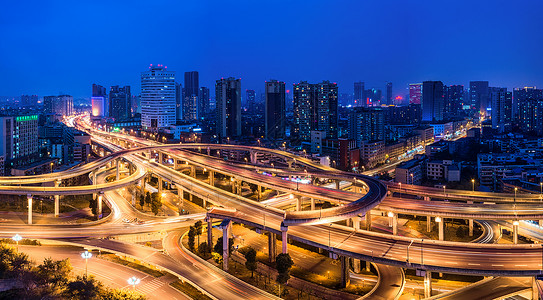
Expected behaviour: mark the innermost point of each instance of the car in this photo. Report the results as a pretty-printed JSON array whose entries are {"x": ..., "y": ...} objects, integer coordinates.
[{"x": 126, "y": 220}]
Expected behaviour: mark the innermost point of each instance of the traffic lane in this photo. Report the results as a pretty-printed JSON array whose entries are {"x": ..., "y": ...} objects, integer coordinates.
[{"x": 111, "y": 274}]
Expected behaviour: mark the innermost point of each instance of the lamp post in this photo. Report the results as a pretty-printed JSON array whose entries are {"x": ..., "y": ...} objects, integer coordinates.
[
  {"x": 444, "y": 190},
  {"x": 133, "y": 281},
  {"x": 17, "y": 238},
  {"x": 407, "y": 260},
  {"x": 86, "y": 255},
  {"x": 515, "y": 199},
  {"x": 411, "y": 178},
  {"x": 473, "y": 185}
]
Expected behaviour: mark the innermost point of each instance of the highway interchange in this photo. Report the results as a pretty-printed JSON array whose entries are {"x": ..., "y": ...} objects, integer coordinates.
[{"x": 312, "y": 227}]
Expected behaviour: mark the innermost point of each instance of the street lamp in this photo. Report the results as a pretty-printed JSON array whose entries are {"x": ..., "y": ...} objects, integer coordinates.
[
  {"x": 407, "y": 260},
  {"x": 411, "y": 178},
  {"x": 17, "y": 238},
  {"x": 444, "y": 190},
  {"x": 133, "y": 281},
  {"x": 400, "y": 190},
  {"x": 86, "y": 255},
  {"x": 473, "y": 185},
  {"x": 515, "y": 199}
]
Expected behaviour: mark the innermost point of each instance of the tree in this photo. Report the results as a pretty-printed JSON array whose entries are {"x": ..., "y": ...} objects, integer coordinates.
[
  {"x": 198, "y": 227},
  {"x": 54, "y": 273},
  {"x": 148, "y": 198},
  {"x": 156, "y": 202},
  {"x": 192, "y": 234},
  {"x": 218, "y": 246},
  {"x": 118, "y": 294},
  {"x": 84, "y": 287},
  {"x": 283, "y": 263},
  {"x": 142, "y": 201},
  {"x": 251, "y": 264},
  {"x": 93, "y": 205}
]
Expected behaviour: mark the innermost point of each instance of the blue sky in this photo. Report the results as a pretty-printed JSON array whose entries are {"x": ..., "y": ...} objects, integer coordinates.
[{"x": 49, "y": 47}]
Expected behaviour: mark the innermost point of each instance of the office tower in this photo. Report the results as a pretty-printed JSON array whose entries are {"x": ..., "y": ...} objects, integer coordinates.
[
  {"x": 501, "y": 101},
  {"x": 315, "y": 108},
  {"x": 359, "y": 94},
  {"x": 373, "y": 97},
  {"x": 178, "y": 101},
  {"x": 203, "y": 102},
  {"x": 99, "y": 98},
  {"x": 415, "y": 93},
  {"x": 251, "y": 100},
  {"x": 157, "y": 98},
  {"x": 454, "y": 100},
  {"x": 120, "y": 103},
  {"x": 18, "y": 139},
  {"x": 478, "y": 93},
  {"x": 389, "y": 94},
  {"x": 275, "y": 109},
  {"x": 403, "y": 115},
  {"x": 366, "y": 124},
  {"x": 62, "y": 105},
  {"x": 432, "y": 101},
  {"x": 190, "y": 101},
  {"x": 529, "y": 109},
  {"x": 228, "y": 111},
  {"x": 29, "y": 100}
]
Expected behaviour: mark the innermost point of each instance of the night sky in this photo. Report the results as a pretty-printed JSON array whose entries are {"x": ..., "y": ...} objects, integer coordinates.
[{"x": 52, "y": 47}]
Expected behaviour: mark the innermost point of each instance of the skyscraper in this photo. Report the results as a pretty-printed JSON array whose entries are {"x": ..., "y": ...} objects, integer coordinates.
[
  {"x": 529, "y": 109},
  {"x": 275, "y": 109},
  {"x": 203, "y": 102},
  {"x": 178, "y": 101},
  {"x": 157, "y": 98},
  {"x": 478, "y": 94},
  {"x": 432, "y": 101},
  {"x": 228, "y": 111},
  {"x": 29, "y": 100},
  {"x": 366, "y": 124},
  {"x": 415, "y": 93},
  {"x": 99, "y": 101},
  {"x": 455, "y": 99},
  {"x": 190, "y": 101},
  {"x": 315, "y": 108},
  {"x": 18, "y": 139},
  {"x": 359, "y": 94},
  {"x": 120, "y": 102},
  {"x": 251, "y": 100},
  {"x": 501, "y": 101},
  {"x": 389, "y": 94}
]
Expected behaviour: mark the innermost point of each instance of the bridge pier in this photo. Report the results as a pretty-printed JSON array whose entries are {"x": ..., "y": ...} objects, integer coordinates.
[
  {"x": 99, "y": 209},
  {"x": 515, "y": 232},
  {"x": 192, "y": 171},
  {"x": 284, "y": 237},
  {"x": 272, "y": 247},
  {"x": 225, "y": 247},
  {"x": 535, "y": 289},
  {"x": 160, "y": 157},
  {"x": 540, "y": 223},
  {"x": 175, "y": 164},
  {"x": 441, "y": 222},
  {"x": 117, "y": 169},
  {"x": 368, "y": 220},
  {"x": 57, "y": 200},
  {"x": 298, "y": 203},
  {"x": 212, "y": 178},
  {"x": 428, "y": 284},
  {"x": 239, "y": 184},
  {"x": 394, "y": 224},
  {"x": 29, "y": 198},
  {"x": 259, "y": 192},
  {"x": 253, "y": 155},
  {"x": 345, "y": 279},
  {"x": 470, "y": 221},
  {"x": 337, "y": 184},
  {"x": 312, "y": 203},
  {"x": 209, "y": 233},
  {"x": 160, "y": 184}
]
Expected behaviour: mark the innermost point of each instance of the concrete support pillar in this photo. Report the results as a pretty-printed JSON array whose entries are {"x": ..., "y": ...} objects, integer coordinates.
[
  {"x": 428, "y": 223},
  {"x": 272, "y": 247},
  {"x": 312, "y": 203},
  {"x": 345, "y": 279},
  {"x": 259, "y": 192},
  {"x": 253, "y": 155},
  {"x": 428, "y": 284},
  {"x": 142, "y": 186},
  {"x": 239, "y": 184},
  {"x": 160, "y": 157},
  {"x": 212, "y": 178},
  {"x": 117, "y": 169},
  {"x": 29, "y": 198},
  {"x": 356, "y": 265},
  {"x": 175, "y": 165},
  {"x": 190, "y": 197},
  {"x": 209, "y": 232},
  {"x": 338, "y": 184},
  {"x": 57, "y": 200},
  {"x": 540, "y": 223},
  {"x": 515, "y": 232},
  {"x": 368, "y": 266},
  {"x": 470, "y": 221},
  {"x": 99, "y": 209},
  {"x": 356, "y": 222},
  {"x": 204, "y": 202},
  {"x": 535, "y": 289},
  {"x": 225, "y": 250},
  {"x": 192, "y": 171},
  {"x": 160, "y": 184},
  {"x": 298, "y": 203},
  {"x": 368, "y": 220},
  {"x": 441, "y": 224},
  {"x": 284, "y": 237},
  {"x": 395, "y": 224},
  {"x": 94, "y": 177}
]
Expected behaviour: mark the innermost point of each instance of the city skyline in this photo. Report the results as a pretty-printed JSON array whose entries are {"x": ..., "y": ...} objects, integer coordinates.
[{"x": 402, "y": 49}]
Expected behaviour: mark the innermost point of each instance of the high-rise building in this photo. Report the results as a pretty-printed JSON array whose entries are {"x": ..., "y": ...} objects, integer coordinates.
[
  {"x": 367, "y": 124},
  {"x": 99, "y": 101},
  {"x": 529, "y": 110},
  {"x": 275, "y": 109},
  {"x": 478, "y": 94},
  {"x": 29, "y": 100},
  {"x": 178, "y": 101},
  {"x": 190, "y": 101},
  {"x": 62, "y": 105},
  {"x": 359, "y": 94},
  {"x": 251, "y": 100},
  {"x": 373, "y": 97},
  {"x": 157, "y": 98},
  {"x": 403, "y": 115},
  {"x": 501, "y": 101},
  {"x": 315, "y": 108},
  {"x": 389, "y": 94},
  {"x": 228, "y": 111},
  {"x": 203, "y": 102},
  {"x": 18, "y": 139},
  {"x": 454, "y": 100},
  {"x": 415, "y": 93},
  {"x": 120, "y": 102},
  {"x": 432, "y": 101}
]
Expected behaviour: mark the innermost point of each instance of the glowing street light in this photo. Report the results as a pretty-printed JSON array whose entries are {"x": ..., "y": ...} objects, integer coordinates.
[
  {"x": 133, "y": 281},
  {"x": 473, "y": 185},
  {"x": 17, "y": 238},
  {"x": 86, "y": 255}
]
